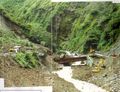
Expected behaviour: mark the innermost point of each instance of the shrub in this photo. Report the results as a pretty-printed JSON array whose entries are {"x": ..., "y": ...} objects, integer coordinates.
[{"x": 26, "y": 60}]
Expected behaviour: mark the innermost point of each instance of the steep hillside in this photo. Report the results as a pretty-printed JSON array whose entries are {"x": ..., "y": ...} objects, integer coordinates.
[
  {"x": 8, "y": 37},
  {"x": 90, "y": 25},
  {"x": 74, "y": 26},
  {"x": 33, "y": 15}
]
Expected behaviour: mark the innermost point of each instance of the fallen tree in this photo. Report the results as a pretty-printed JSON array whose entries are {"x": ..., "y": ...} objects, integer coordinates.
[{"x": 69, "y": 59}]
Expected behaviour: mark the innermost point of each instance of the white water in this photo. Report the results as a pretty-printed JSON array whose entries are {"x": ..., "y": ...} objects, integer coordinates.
[{"x": 66, "y": 74}]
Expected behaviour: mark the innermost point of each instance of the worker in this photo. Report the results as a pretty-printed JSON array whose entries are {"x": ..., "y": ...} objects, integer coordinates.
[{"x": 89, "y": 61}]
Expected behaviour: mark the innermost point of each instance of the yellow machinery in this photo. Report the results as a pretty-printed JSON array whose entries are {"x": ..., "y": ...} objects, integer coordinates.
[{"x": 99, "y": 66}]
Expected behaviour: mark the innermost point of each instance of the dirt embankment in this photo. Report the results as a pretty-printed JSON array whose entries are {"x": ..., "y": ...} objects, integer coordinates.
[{"x": 15, "y": 75}]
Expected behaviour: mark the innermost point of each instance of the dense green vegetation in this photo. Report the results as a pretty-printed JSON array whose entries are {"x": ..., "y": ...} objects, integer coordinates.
[
  {"x": 93, "y": 25},
  {"x": 34, "y": 15},
  {"x": 75, "y": 26},
  {"x": 27, "y": 60},
  {"x": 8, "y": 38}
]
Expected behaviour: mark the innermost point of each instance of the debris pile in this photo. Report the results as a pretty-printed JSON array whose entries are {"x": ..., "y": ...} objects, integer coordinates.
[{"x": 75, "y": 59}]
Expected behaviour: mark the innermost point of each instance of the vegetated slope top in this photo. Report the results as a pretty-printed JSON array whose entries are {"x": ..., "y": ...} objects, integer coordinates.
[{"x": 75, "y": 26}]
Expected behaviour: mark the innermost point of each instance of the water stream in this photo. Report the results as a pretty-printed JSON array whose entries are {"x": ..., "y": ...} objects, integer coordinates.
[{"x": 66, "y": 74}]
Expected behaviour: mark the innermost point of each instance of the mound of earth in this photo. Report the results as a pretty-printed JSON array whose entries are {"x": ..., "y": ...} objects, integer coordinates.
[{"x": 15, "y": 75}]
